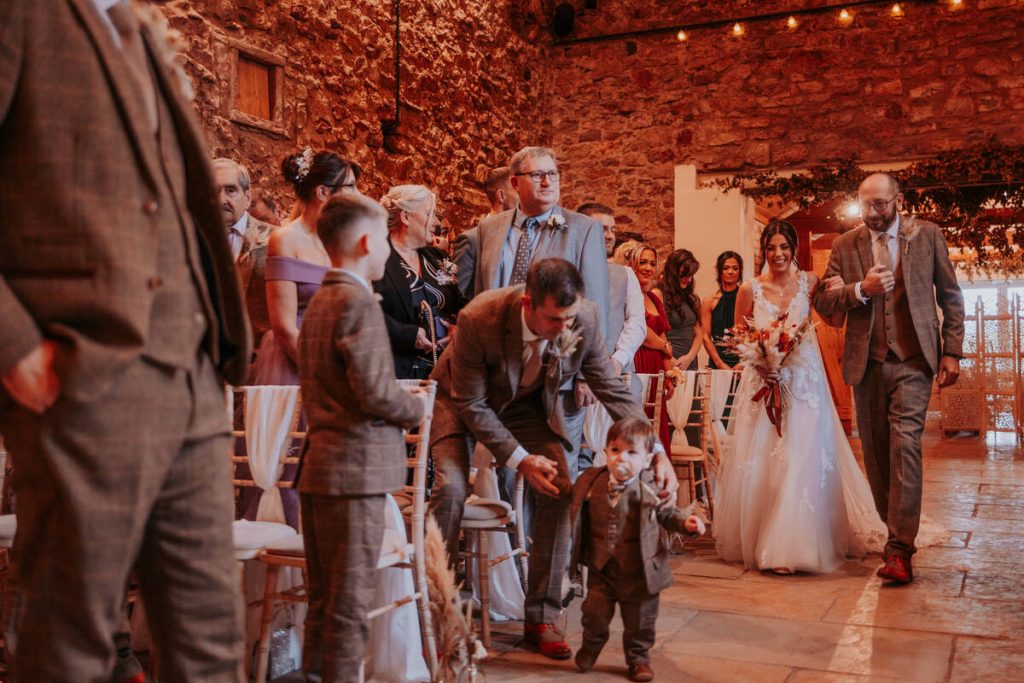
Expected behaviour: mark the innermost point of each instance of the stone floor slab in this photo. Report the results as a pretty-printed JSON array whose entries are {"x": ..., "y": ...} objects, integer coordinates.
[
  {"x": 992, "y": 661},
  {"x": 808, "y": 601},
  {"x": 1012, "y": 512},
  {"x": 820, "y": 646}
]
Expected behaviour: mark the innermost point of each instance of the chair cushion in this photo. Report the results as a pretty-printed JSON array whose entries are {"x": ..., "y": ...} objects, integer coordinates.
[
  {"x": 249, "y": 538},
  {"x": 292, "y": 546},
  {"x": 8, "y": 525},
  {"x": 481, "y": 509},
  {"x": 686, "y": 453}
]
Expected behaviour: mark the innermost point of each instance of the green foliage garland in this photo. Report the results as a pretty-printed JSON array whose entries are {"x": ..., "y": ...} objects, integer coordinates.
[{"x": 976, "y": 195}]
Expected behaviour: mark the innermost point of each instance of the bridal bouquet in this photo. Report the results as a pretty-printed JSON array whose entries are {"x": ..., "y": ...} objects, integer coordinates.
[{"x": 766, "y": 349}]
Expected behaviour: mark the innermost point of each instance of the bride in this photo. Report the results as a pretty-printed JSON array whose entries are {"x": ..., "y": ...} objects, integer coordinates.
[{"x": 798, "y": 502}]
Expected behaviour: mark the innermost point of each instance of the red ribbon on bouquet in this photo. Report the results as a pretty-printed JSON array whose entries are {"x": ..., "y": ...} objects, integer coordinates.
[{"x": 771, "y": 395}]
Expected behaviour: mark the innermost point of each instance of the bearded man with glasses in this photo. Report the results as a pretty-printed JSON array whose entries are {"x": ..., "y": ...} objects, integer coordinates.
[{"x": 896, "y": 269}]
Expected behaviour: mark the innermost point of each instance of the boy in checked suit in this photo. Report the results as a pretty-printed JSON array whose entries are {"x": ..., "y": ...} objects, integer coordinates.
[
  {"x": 355, "y": 449},
  {"x": 617, "y": 535}
]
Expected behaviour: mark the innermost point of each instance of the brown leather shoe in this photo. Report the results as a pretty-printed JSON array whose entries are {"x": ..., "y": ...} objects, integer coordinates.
[
  {"x": 897, "y": 569},
  {"x": 548, "y": 639},
  {"x": 641, "y": 671},
  {"x": 585, "y": 659}
]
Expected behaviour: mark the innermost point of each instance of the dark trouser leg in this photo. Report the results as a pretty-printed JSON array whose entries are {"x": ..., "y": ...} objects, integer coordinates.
[
  {"x": 95, "y": 480},
  {"x": 910, "y": 385},
  {"x": 597, "y": 611},
  {"x": 450, "y": 450},
  {"x": 639, "y": 618},
  {"x": 347, "y": 542},
  {"x": 872, "y": 402},
  {"x": 316, "y": 592}
]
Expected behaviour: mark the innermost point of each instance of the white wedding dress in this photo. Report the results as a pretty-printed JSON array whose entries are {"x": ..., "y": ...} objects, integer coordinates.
[{"x": 798, "y": 502}]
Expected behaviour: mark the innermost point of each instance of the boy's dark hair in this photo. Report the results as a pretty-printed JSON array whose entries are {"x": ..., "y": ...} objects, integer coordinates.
[
  {"x": 633, "y": 429},
  {"x": 341, "y": 212},
  {"x": 555, "y": 278}
]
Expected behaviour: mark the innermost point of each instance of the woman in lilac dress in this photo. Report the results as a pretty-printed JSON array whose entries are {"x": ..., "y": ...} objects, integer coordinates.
[
  {"x": 296, "y": 264},
  {"x": 297, "y": 261}
]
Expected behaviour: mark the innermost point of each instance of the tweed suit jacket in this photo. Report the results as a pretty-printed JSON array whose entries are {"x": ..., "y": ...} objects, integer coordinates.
[
  {"x": 480, "y": 370},
  {"x": 580, "y": 242},
  {"x": 252, "y": 266},
  {"x": 657, "y": 576},
  {"x": 356, "y": 411},
  {"x": 465, "y": 259},
  {"x": 929, "y": 279},
  {"x": 79, "y": 191}
]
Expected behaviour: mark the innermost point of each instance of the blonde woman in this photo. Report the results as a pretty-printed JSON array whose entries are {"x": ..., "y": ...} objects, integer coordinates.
[
  {"x": 419, "y": 291},
  {"x": 655, "y": 354}
]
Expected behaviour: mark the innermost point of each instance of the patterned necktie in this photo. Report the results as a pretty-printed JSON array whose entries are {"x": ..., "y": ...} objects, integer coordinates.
[
  {"x": 127, "y": 23},
  {"x": 522, "y": 262},
  {"x": 882, "y": 255}
]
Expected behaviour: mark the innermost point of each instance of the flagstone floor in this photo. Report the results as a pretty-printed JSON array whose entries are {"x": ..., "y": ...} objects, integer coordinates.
[{"x": 962, "y": 619}]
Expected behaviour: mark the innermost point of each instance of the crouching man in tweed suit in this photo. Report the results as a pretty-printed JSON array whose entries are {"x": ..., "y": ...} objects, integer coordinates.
[
  {"x": 355, "y": 449},
  {"x": 617, "y": 535},
  {"x": 507, "y": 380}
]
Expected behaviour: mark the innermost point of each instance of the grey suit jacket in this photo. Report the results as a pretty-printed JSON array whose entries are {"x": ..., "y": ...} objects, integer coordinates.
[
  {"x": 465, "y": 261},
  {"x": 354, "y": 406},
  {"x": 79, "y": 189},
  {"x": 580, "y": 242},
  {"x": 657, "y": 575},
  {"x": 480, "y": 370},
  {"x": 252, "y": 265},
  {"x": 929, "y": 278}
]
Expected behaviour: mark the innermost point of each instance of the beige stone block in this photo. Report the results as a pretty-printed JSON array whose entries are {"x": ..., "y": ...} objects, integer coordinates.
[
  {"x": 1001, "y": 494},
  {"x": 795, "y": 600},
  {"x": 1012, "y": 512},
  {"x": 897, "y": 607},
  {"x": 992, "y": 586},
  {"x": 987, "y": 660},
  {"x": 851, "y": 649}
]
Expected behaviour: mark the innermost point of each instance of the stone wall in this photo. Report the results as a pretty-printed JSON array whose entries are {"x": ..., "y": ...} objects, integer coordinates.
[
  {"x": 469, "y": 86},
  {"x": 877, "y": 90}
]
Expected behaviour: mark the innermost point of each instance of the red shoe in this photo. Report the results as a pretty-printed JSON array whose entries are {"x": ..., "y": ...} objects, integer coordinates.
[
  {"x": 641, "y": 671},
  {"x": 897, "y": 569},
  {"x": 548, "y": 639}
]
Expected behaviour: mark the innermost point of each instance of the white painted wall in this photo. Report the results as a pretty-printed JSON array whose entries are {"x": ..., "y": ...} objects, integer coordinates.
[{"x": 710, "y": 221}]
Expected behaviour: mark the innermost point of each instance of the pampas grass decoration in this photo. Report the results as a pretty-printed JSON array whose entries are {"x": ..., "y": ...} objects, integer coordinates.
[{"x": 457, "y": 644}]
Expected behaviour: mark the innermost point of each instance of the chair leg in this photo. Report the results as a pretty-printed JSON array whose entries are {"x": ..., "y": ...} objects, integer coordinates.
[
  {"x": 266, "y": 615},
  {"x": 524, "y": 562},
  {"x": 691, "y": 479},
  {"x": 484, "y": 567}
]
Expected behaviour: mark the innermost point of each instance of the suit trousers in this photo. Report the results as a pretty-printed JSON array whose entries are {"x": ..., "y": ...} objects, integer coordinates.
[
  {"x": 138, "y": 476},
  {"x": 342, "y": 536},
  {"x": 892, "y": 402},
  {"x": 639, "y": 611},
  {"x": 551, "y": 530}
]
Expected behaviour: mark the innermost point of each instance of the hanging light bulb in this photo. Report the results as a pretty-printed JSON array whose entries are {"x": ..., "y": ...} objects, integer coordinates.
[
  {"x": 792, "y": 23},
  {"x": 681, "y": 36},
  {"x": 896, "y": 10},
  {"x": 845, "y": 17},
  {"x": 956, "y": 4},
  {"x": 737, "y": 29},
  {"x": 852, "y": 210}
]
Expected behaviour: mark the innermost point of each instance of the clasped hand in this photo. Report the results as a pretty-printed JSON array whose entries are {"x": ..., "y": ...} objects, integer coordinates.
[
  {"x": 33, "y": 382},
  {"x": 879, "y": 280}
]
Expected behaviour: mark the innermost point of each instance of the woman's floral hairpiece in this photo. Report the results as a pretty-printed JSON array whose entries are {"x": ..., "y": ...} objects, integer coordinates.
[{"x": 304, "y": 164}]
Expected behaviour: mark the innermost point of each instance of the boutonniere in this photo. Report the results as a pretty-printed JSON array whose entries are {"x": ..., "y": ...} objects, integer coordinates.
[
  {"x": 555, "y": 222},
  {"x": 169, "y": 45},
  {"x": 446, "y": 272},
  {"x": 563, "y": 346}
]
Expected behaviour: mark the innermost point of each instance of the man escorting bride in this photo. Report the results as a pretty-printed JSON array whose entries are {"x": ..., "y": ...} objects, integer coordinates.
[
  {"x": 791, "y": 498},
  {"x": 798, "y": 501}
]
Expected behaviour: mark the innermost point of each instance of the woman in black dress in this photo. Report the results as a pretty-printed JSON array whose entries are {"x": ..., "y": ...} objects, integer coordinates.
[
  {"x": 419, "y": 292},
  {"x": 717, "y": 313}
]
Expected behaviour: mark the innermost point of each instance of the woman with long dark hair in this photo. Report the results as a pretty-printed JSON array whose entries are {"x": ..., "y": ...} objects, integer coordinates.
[
  {"x": 682, "y": 307},
  {"x": 791, "y": 497},
  {"x": 717, "y": 313}
]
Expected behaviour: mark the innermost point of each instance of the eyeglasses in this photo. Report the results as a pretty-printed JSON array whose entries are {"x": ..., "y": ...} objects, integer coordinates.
[
  {"x": 537, "y": 176},
  {"x": 879, "y": 205},
  {"x": 341, "y": 187}
]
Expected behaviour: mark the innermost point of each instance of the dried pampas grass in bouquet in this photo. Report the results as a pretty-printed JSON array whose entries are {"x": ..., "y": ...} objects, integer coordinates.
[{"x": 458, "y": 649}]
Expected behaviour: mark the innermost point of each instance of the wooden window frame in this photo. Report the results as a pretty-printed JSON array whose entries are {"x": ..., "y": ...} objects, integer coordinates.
[{"x": 275, "y": 64}]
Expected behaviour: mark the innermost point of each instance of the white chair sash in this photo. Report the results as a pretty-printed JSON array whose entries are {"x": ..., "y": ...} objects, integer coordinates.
[
  {"x": 269, "y": 416},
  {"x": 596, "y": 423},
  {"x": 395, "y": 655},
  {"x": 721, "y": 384},
  {"x": 505, "y": 591},
  {"x": 679, "y": 407}
]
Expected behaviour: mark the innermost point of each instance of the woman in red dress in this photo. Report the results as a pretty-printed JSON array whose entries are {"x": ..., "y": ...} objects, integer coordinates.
[{"x": 655, "y": 354}]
